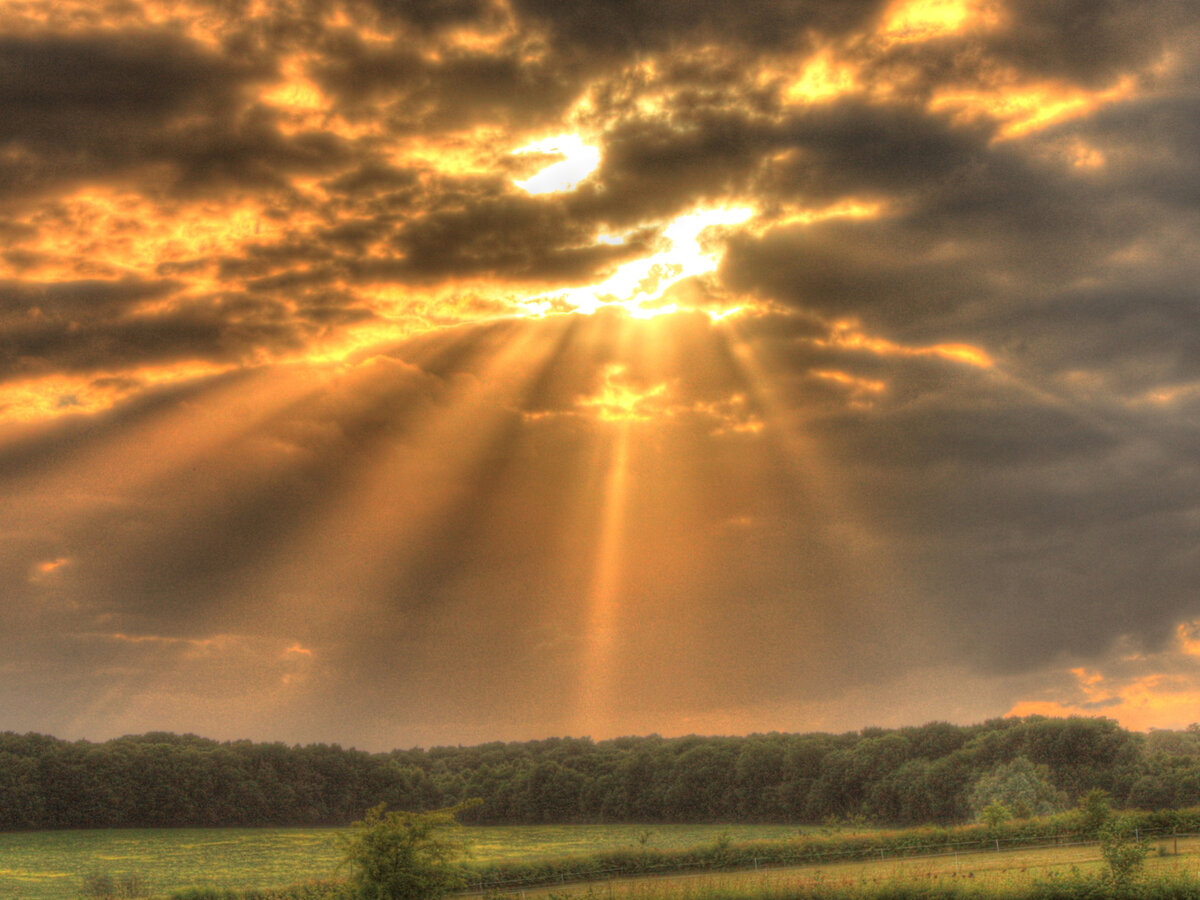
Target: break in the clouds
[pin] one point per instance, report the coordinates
(396, 372)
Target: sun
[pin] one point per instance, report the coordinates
(579, 161)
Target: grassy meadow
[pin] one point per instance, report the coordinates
(208, 862)
(51, 865)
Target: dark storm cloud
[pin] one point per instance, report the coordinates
(506, 236)
(431, 15)
(1036, 526)
(1155, 144)
(59, 87)
(639, 26)
(1050, 510)
(654, 168)
(77, 300)
(400, 87)
(92, 325)
(81, 106)
(977, 236)
(1088, 42)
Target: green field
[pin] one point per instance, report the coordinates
(51, 865)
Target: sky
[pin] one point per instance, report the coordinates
(410, 372)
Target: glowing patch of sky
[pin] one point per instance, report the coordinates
(579, 161)
(637, 286)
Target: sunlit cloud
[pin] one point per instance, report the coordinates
(48, 568)
(823, 78)
(924, 20)
(1022, 108)
(791, 214)
(848, 335)
(620, 401)
(109, 233)
(861, 389)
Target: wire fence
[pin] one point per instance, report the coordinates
(734, 860)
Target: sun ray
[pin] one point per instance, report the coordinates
(597, 711)
(423, 462)
(167, 437)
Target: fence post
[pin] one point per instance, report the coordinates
(997, 845)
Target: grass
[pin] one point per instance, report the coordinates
(1045, 873)
(52, 865)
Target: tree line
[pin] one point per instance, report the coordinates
(934, 773)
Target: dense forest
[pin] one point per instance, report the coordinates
(931, 773)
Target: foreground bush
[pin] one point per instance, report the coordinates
(403, 856)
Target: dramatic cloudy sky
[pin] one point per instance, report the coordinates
(400, 372)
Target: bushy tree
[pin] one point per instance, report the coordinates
(995, 814)
(403, 855)
(1094, 810)
(1019, 785)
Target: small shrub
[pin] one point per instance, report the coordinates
(1124, 855)
(103, 886)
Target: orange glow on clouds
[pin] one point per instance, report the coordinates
(1187, 634)
(847, 335)
(1023, 107)
(47, 568)
(823, 78)
(1158, 691)
(54, 395)
(458, 154)
(859, 387)
(925, 20)
(620, 401)
(107, 233)
(792, 214)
